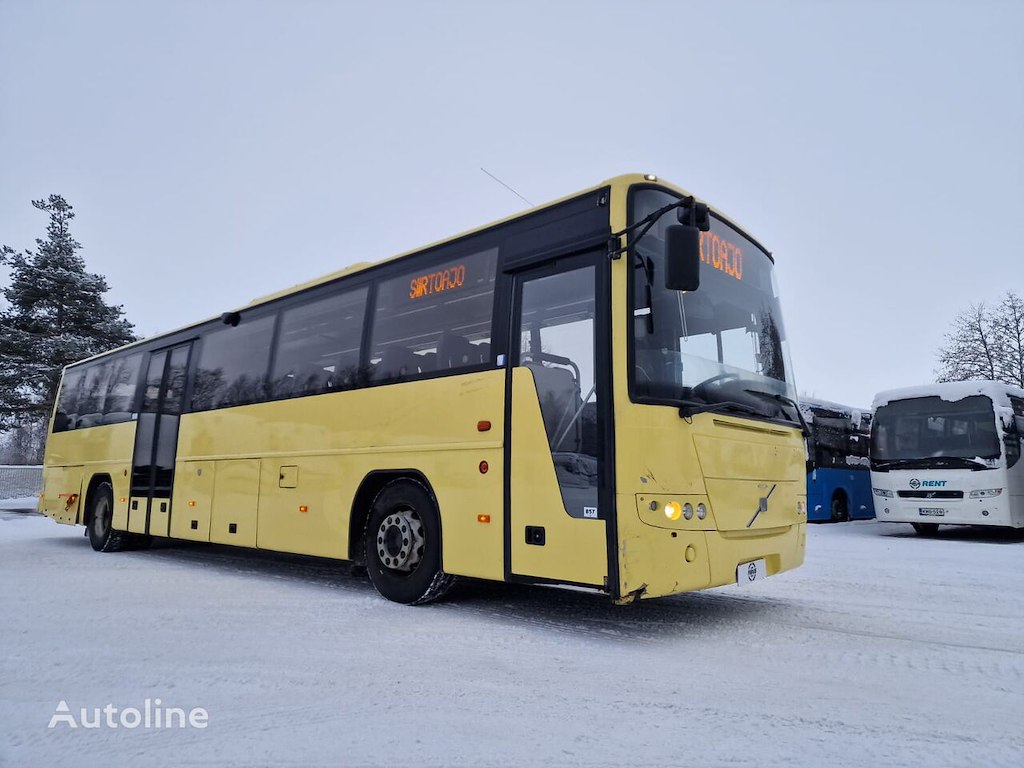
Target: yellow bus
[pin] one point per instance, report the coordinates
(595, 392)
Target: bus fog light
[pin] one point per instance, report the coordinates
(702, 511)
(673, 510)
(988, 493)
(688, 511)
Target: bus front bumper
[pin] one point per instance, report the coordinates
(664, 562)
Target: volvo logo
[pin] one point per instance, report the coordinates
(915, 483)
(762, 506)
(751, 572)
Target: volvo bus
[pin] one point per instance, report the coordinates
(949, 454)
(595, 392)
(838, 481)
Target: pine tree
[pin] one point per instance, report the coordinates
(55, 315)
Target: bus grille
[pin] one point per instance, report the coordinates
(930, 494)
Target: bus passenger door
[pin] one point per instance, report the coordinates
(558, 499)
(156, 441)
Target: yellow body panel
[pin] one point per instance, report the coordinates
(236, 489)
(192, 507)
(575, 549)
(335, 440)
(72, 459)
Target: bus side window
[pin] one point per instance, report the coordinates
(435, 318)
(94, 394)
(66, 416)
(121, 387)
(318, 345)
(233, 362)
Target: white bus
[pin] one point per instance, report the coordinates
(949, 454)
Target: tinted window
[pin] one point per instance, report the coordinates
(67, 405)
(93, 395)
(933, 428)
(837, 440)
(122, 379)
(232, 368)
(318, 346)
(434, 318)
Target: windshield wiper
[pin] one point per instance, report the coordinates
(927, 462)
(687, 411)
(962, 461)
(786, 401)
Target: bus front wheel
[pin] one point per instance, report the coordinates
(403, 544)
(102, 535)
(926, 529)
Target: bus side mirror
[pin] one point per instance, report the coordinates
(682, 258)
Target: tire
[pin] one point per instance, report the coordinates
(403, 544)
(839, 510)
(102, 535)
(926, 529)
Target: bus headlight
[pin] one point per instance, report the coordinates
(882, 492)
(702, 511)
(673, 510)
(988, 493)
(688, 511)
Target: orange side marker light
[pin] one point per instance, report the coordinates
(303, 508)
(483, 426)
(483, 518)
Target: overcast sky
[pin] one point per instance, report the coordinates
(219, 151)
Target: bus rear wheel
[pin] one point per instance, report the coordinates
(840, 510)
(926, 529)
(102, 535)
(403, 544)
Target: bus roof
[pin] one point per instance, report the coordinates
(952, 391)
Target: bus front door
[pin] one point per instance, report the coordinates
(558, 509)
(156, 441)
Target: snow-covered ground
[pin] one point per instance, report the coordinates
(884, 650)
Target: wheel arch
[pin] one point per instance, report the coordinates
(90, 494)
(371, 485)
(841, 492)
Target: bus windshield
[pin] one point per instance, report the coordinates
(923, 428)
(723, 343)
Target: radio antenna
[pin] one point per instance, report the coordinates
(506, 186)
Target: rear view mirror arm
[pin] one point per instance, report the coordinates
(615, 250)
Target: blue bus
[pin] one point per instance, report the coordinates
(839, 476)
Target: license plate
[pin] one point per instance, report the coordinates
(931, 511)
(747, 573)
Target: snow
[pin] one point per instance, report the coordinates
(885, 649)
(809, 403)
(952, 391)
(24, 503)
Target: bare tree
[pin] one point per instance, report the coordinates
(986, 343)
(1009, 335)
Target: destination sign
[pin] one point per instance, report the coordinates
(437, 282)
(722, 254)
